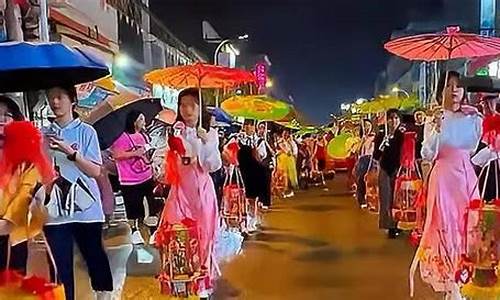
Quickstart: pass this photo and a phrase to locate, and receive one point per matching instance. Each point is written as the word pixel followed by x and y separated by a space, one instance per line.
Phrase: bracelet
pixel 72 156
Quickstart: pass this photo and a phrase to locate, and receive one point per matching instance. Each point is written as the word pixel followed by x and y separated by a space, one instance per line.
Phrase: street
pixel 317 245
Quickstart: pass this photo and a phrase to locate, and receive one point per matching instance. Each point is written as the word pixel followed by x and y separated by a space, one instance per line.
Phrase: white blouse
pixel 208 153
pixel 458 130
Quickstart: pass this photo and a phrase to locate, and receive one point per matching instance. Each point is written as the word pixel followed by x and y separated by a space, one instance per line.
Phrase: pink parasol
pixel 450 44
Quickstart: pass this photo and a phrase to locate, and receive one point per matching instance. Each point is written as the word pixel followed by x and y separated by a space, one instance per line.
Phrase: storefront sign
pixel 90 99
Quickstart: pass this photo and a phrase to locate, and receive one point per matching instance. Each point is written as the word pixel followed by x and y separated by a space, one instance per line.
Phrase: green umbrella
pixel 337 146
pixel 257 107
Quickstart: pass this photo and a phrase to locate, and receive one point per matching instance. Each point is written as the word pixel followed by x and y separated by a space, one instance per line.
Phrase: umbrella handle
pixel 443 92
pixel 200 104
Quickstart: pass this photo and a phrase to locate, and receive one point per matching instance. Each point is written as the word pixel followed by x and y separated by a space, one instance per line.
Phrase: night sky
pixel 323 52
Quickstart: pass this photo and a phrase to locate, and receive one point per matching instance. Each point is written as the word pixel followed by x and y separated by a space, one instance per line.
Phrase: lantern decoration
pixel 408 186
pixel 421 211
pixel 482 249
pixel 279 183
pixel 233 210
pixel 371 181
pixel 482 227
pixel 233 199
pixel 181 272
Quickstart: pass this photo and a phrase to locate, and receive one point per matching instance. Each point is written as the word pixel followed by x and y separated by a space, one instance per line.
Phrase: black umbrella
pixel 110 127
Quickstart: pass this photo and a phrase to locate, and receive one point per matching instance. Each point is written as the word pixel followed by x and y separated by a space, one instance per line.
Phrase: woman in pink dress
pixel 193 194
pixel 452 184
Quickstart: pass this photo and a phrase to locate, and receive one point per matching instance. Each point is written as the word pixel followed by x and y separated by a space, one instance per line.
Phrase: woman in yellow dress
pixel 287 150
pixel 22 170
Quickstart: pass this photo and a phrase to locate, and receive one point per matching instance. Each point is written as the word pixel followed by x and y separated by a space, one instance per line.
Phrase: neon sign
pixel 261 75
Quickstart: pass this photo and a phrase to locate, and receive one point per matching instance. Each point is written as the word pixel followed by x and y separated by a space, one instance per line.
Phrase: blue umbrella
pixel 220 115
pixel 36 66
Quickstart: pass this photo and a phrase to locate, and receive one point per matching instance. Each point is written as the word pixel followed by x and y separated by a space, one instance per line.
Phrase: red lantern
pixel 408 186
pixel 181 266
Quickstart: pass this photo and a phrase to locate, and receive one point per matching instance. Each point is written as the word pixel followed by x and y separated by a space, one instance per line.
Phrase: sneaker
pixel 144 257
pixel 151 221
pixel 364 206
pixel 103 295
pixel 137 238
pixel 265 207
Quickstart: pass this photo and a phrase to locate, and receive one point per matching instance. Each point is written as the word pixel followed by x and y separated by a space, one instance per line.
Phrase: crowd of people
pixel 74 202
pixel 449 153
pixel 69 193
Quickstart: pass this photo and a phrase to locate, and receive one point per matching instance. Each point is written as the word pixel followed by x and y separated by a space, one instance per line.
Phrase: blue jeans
pixel 88 238
pixel 360 172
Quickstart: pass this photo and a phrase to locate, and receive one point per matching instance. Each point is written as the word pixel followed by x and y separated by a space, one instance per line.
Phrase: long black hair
pixel 442 84
pixel 132 117
pixel 12 107
pixel 205 114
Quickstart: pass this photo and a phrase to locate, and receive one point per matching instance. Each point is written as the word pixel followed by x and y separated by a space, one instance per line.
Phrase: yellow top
pixel 15 205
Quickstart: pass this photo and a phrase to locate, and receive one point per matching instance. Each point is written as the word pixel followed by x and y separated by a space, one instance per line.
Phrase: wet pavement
pixel 317 245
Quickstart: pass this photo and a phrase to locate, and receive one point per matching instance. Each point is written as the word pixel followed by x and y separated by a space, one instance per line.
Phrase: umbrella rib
pixel 439 41
pixel 434 41
pixel 437 44
pixel 404 45
pixel 492 43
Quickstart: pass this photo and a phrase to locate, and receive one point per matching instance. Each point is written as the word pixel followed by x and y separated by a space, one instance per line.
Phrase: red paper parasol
pixel 446 45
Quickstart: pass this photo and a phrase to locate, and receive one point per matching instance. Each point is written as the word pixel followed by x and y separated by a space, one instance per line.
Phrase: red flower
pixel 175 144
pixel 23 144
pixel 415 238
pixel 476 204
pixel 36 285
pixel 496 202
pixel 188 222
pixel 9 276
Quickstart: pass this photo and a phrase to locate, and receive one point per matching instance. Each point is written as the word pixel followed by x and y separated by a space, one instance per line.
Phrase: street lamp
pixel 398 90
pixel 225 42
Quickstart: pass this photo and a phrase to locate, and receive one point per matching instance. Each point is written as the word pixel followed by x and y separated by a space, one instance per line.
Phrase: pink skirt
pixel 452 184
pixel 195 198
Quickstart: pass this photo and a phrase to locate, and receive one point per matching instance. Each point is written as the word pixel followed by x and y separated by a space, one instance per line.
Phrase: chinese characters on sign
pixel 261 75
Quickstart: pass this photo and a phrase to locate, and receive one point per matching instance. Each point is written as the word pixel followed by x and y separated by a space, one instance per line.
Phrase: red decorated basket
pixel 181 268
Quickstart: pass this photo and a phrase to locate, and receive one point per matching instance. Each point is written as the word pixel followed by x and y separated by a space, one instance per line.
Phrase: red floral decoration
pixel 23 144
pixel 491 128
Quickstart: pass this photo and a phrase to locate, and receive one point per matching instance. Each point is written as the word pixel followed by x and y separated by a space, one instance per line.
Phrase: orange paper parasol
pixel 199 75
